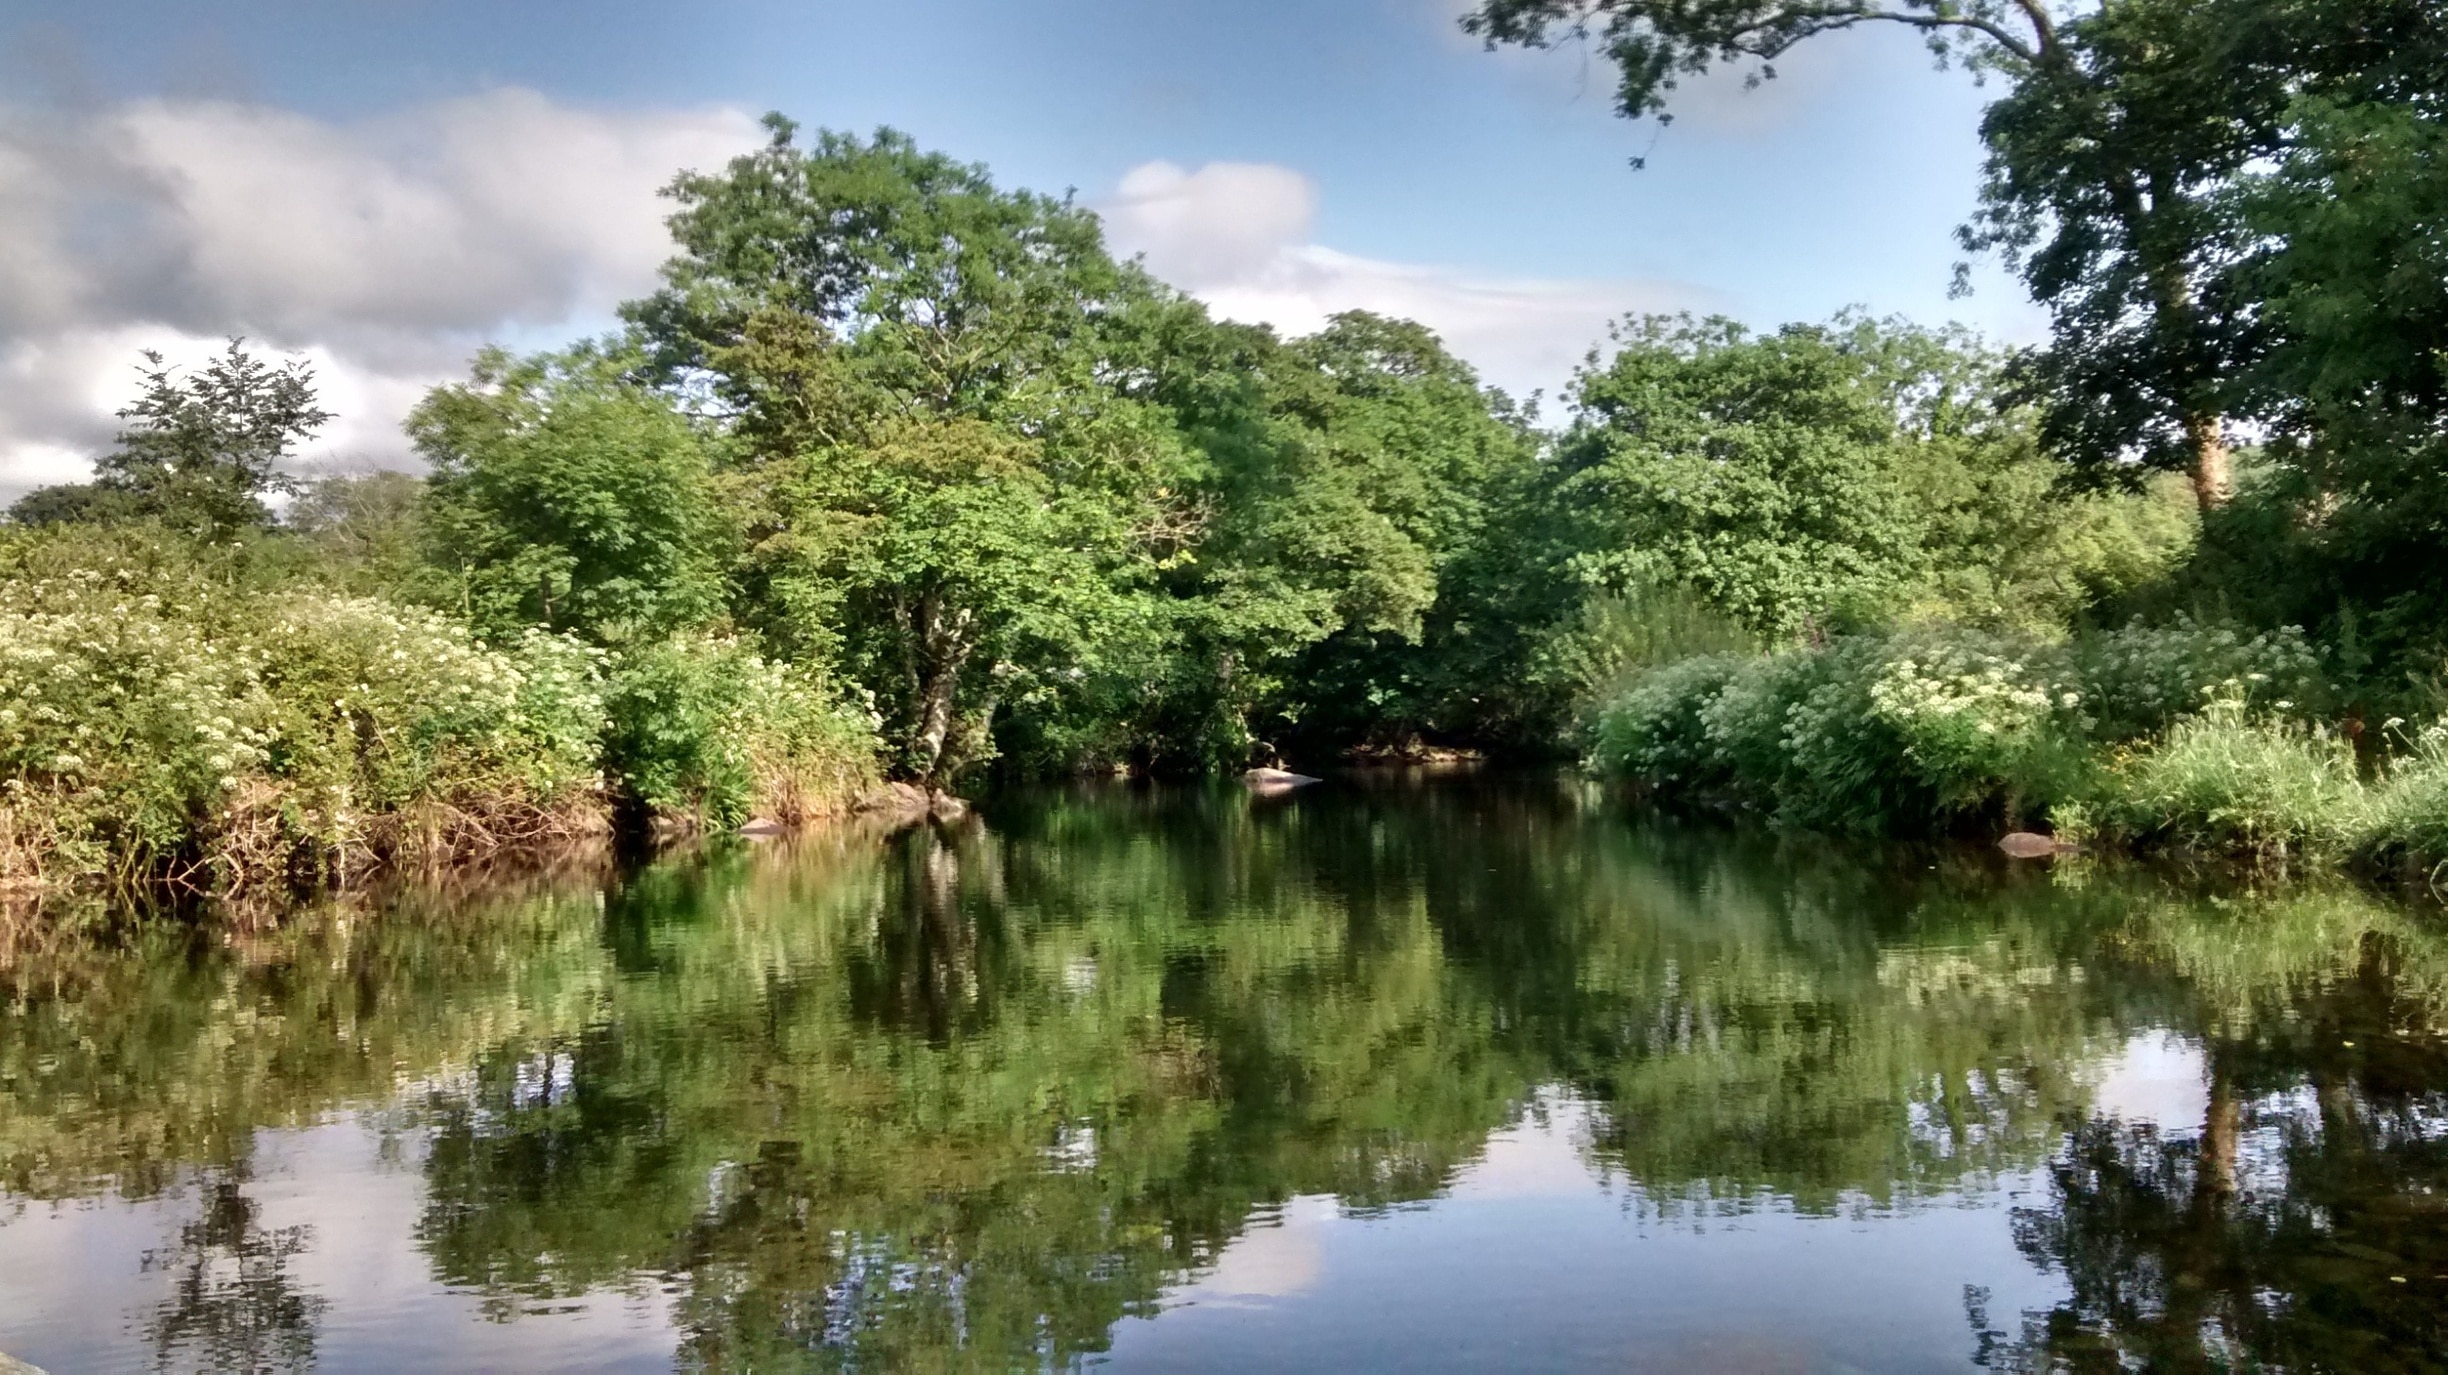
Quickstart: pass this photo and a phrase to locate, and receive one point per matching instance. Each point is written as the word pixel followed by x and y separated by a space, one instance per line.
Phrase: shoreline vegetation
pixel 902 482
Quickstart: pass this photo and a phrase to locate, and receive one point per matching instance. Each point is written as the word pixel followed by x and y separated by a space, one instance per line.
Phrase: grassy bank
pixel 2182 735
pixel 213 717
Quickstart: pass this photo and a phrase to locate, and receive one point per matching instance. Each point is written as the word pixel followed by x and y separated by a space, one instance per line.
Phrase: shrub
pixel 2138 680
pixel 2409 815
pixel 161 715
pixel 1658 730
pixel 1917 728
pixel 704 732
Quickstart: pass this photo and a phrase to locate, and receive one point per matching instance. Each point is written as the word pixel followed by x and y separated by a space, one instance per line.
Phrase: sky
pixel 383 186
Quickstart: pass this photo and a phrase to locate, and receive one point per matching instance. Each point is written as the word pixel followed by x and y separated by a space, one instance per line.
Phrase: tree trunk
pixel 943 651
pixel 2213 469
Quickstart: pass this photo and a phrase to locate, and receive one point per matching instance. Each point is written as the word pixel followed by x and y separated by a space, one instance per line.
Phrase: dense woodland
pixel 903 474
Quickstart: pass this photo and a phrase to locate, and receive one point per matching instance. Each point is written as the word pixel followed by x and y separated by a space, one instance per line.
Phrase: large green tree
pixel 1816 477
pixel 939 457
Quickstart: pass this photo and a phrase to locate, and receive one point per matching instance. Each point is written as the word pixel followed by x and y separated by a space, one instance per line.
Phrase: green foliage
pixel 2138 680
pixel 949 293
pixel 2410 813
pixel 2225 780
pixel 200 454
pixel 941 470
pixel 1830 476
pixel 1922 727
pixel 565 496
pixel 162 714
pixel 705 731
pixel 72 502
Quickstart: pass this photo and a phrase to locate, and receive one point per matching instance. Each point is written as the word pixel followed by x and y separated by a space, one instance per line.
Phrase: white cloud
pixel 1237 235
pixel 383 250
pixel 1217 224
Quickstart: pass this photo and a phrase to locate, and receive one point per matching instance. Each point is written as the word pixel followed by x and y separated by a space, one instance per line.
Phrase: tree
pixel 2107 155
pixel 566 496
pixel 66 503
pixel 950 294
pixel 1376 513
pixel 1796 479
pixel 201 453
pixel 968 577
pixel 942 454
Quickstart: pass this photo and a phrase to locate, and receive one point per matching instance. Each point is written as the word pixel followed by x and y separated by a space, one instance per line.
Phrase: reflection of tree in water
pixel 2302 1227
pixel 234 1304
pixel 969 1097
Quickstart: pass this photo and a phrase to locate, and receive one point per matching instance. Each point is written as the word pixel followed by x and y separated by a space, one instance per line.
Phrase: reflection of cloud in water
pixel 1280 1253
pixel 1545 1155
pixel 2160 1078
pixel 1275 1258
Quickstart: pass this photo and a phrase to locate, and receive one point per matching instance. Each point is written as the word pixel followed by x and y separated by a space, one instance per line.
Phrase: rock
pixel 895 799
pixel 761 828
pixel 946 807
pixel 1276 779
pixel 2030 845
pixel 10 1365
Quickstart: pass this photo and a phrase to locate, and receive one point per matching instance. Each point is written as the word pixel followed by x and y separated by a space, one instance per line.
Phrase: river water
pixel 1392 1073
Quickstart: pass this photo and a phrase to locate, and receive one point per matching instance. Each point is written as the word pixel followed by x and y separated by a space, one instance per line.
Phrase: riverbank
pixel 2179 736
pixel 197 718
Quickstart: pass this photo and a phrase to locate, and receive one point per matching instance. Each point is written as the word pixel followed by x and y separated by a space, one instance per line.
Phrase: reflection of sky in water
pixel 78 1294
pixel 2158 1078
pixel 1533 1261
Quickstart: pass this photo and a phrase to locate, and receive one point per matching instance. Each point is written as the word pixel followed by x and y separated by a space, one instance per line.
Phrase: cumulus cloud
pixel 1238 236
pixel 1218 224
pixel 383 250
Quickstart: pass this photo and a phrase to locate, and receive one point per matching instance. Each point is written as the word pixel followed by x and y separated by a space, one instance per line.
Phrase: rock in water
pixel 2028 845
pixel 1276 780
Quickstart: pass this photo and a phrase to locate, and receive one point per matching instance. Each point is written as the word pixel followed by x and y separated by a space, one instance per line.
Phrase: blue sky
pixel 1382 158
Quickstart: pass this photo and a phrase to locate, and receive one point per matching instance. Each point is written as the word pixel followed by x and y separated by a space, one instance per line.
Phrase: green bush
pixel 1871 733
pixel 162 714
pixel 2139 679
pixel 702 731
pixel 1919 728
pixel 1657 730
pixel 200 713
pixel 2409 814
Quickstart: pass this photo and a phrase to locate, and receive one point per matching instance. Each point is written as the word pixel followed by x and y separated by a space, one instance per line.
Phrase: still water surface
pixel 1389 1074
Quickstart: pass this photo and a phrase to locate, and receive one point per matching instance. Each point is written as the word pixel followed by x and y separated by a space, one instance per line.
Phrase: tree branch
pixel 1816 21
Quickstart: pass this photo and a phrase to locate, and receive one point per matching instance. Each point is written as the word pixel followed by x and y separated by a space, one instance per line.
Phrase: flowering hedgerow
pixel 152 716
pixel 161 715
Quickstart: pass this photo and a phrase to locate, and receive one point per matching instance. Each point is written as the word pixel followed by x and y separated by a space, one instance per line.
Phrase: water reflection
pixel 1113 1065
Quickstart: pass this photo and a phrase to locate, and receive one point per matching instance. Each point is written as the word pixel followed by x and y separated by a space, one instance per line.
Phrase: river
pixel 1394 1073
